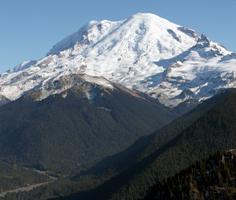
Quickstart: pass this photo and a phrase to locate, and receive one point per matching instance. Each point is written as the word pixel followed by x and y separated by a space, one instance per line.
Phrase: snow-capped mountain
pixel 144 52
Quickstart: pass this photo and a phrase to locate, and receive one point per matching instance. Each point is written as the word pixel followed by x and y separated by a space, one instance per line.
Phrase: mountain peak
pixel 150 17
pixel 143 52
pixel 94 31
pixel 144 15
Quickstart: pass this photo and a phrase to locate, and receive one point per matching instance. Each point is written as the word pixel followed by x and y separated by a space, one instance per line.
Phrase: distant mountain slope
pixel 144 52
pixel 212 178
pixel 91 118
pixel 175 149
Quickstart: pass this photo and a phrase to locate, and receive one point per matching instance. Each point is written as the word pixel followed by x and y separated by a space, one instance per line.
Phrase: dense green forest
pixel 153 160
pixel 65 135
pixel 211 178
pixel 173 149
pixel 211 132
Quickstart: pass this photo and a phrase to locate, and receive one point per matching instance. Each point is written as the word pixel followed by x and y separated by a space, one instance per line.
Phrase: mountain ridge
pixel 74 128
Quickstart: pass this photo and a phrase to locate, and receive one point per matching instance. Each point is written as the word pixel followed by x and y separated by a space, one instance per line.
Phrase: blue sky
pixel 29 28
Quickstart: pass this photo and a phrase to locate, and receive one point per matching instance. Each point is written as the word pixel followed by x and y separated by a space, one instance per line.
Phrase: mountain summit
pixel 143 52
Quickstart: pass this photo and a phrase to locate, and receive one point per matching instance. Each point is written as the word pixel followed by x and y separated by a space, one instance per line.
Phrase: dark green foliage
pixel 147 145
pixel 212 178
pixel 153 160
pixel 202 132
pixel 213 131
pixel 72 133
